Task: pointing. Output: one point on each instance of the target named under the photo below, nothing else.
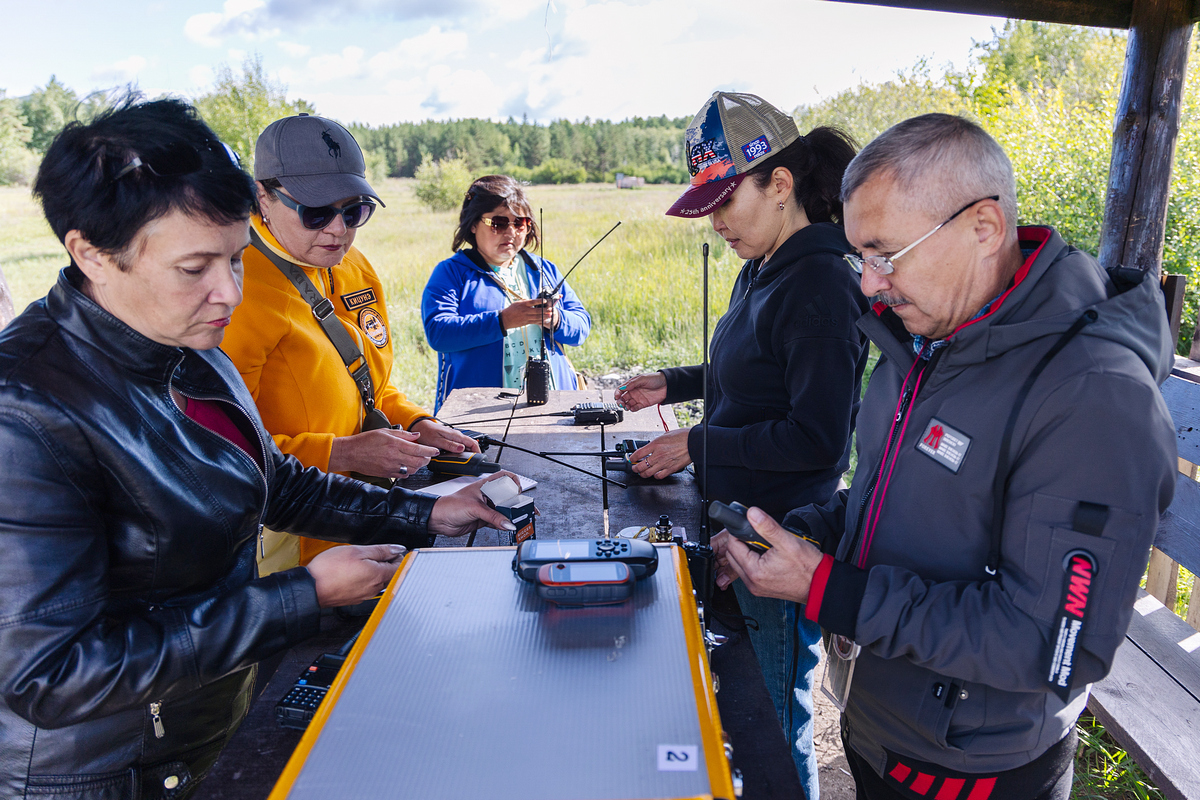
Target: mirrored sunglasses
(499, 223)
(354, 214)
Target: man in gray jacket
(1014, 454)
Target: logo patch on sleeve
(356, 299)
(944, 444)
(372, 325)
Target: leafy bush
(559, 170)
(441, 185)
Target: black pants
(1048, 777)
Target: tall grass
(642, 286)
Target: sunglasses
(500, 223)
(176, 159)
(354, 214)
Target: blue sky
(383, 61)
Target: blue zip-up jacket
(461, 309)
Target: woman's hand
(643, 391)
(785, 571)
(435, 434)
(538, 311)
(466, 510)
(382, 453)
(664, 456)
(353, 573)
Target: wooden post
(1139, 177)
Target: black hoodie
(786, 364)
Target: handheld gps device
(640, 556)
(584, 583)
(733, 517)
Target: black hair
(79, 190)
(484, 195)
(817, 162)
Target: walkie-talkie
(537, 370)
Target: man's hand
(538, 311)
(466, 510)
(785, 571)
(353, 573)
(642, 392)
(435, 434)
(664, 456)
(380, 453)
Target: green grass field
(642, 286)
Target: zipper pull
(262, 545)
(156, 718)
(904, 400)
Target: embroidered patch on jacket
(373, 326)
(944, 444)
(356, 299)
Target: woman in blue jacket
(481, 307)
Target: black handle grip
(733, 518)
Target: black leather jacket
(130, 612)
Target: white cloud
(201, 76)
(246, 18)
(339, 66)
(294, 50)
(123, 71)
(236, 56)
(418, 52)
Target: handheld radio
(537, 370)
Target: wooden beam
(1147, 123)
(1096, 13)
(1174, 287)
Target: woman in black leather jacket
(137, 477)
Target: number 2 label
(678, 758)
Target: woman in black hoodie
(786, 358)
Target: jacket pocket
(96, 786)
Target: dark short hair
(77, 183)
(484, 195)
(817, 162)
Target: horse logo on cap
(335, 149)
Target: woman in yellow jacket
(313, 195)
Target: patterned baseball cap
(732, 131)
(316, 160)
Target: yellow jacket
(298, 381)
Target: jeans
(788, 648)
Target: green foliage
(868, 110)
(441, 185)
(559, 170)
(1103, 770)
(17, 162)
(239, 107)
(47, 111)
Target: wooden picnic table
(571, 505)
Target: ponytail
(817, 162)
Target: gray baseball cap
(316, 160)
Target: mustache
(890, 299)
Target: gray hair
(942, 162)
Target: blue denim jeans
(788, 648)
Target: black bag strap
(1000, 482)
(322, 308)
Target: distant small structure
(629, 181)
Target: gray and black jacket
(955, 662)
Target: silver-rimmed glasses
(883, 264)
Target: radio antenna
(705, 533)
(582, 257)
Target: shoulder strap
(322, 308)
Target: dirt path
(832, 770)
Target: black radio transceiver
(299, 705)
(733, 517)
(640, 556)
(464, 463)
(598, 413)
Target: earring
(781, 205)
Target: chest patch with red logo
(945, 445)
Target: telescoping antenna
(700, 554)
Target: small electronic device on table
(466, 684)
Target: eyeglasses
(499, 223)
(883, 264)
(354, 214)
(176, 159)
